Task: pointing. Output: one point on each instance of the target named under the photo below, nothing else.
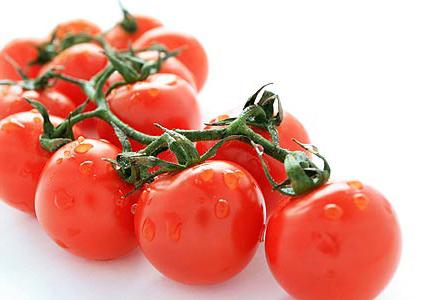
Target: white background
(356, 73)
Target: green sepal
(128, 23)
(184, 150)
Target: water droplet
(262, 233)
(37, 120)
(133, 208)
(67, 154)
(83, 148)
(120, 202)
(12, 124)
(333, 211)
(153, 92)
(86, 167)
(62, 200)
(148, 230)
(174, 231)
(231, 179)
(104, 141)
(326, 243)
(81, 139)
(34, 111)
(355, 184)
(361, 201)
(59, 161)
(222, 209)
(206, 175)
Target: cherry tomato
(162, 98)
(246, 156)
(341, 241)
(81, 203)
(202, 225)
(22, 52)
(192, 54)
(120, 39)
(81, 61)
(12, 101)
(75, 27)
(169, 66)
(21, 158)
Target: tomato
(162, 98)
(192, 53)
(22, 52)
(76, 27)
(202, 225)
(21, 158)
(341, 241)
(81, 203)
(120, 39)
(246, 156)
(12, 101)
(169, 66)
(81, 61)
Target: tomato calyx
(128, 23)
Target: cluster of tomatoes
(198, 226)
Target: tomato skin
(21, 158)
(12, 101)
(341, 241)
(120, 39)
(195, 229)
(192, 53)
(246, 156)
(75, 27)
(23, 52)
(170, 66)
(80, 204)
(163, 98)
(81, 61)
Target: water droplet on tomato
(71, 232)
(34, 111)
(62, 200)
(333, 211)
(174, 231)
(231, 179)
(262, 233)
(355, 184)
(222, 209)
(12, 124)
(361, 201)
(153, 92)
(206, 175)
(59, 161)
(83, 148)
(148, 230)
(133, 208)
(37, 120)
(86, 167)
(81, 139)
(67, 154)
(166, 79)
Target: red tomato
(75, 27)
(81, 61)
(170, 66)
(192, 54)
(21, 158)
(120, 39)
(162, 98)
(22, 52)
(341, 241)
(81, 203)
(12, 101)
(245, 155)
(202, 225)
